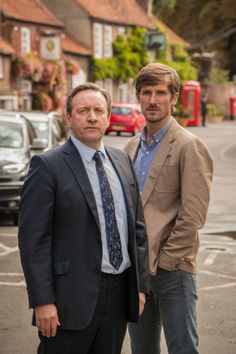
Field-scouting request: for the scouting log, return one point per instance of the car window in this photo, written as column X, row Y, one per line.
column 11, row 135
column 41, row 129
column 121, row 110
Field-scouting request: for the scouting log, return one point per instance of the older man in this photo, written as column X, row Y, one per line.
column 82, row 236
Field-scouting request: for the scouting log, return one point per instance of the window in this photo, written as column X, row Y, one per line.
column 121, row 30
column 97, row 40
column 25, row 40
column 26, row 87
column 107, row 41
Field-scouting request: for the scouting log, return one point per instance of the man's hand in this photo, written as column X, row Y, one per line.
column 47, row 319
column 142, row 300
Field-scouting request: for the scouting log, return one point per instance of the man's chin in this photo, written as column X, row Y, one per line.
column 154, row 119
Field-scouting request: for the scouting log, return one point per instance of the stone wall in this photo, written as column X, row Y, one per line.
column 220, row 94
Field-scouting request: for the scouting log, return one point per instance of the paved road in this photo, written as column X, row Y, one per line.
column 217, row 262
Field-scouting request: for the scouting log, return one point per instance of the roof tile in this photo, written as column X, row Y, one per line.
column 126, row 12
column 29, row 10
column 70, row 45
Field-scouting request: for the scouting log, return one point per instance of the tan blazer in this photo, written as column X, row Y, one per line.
column 175, row 198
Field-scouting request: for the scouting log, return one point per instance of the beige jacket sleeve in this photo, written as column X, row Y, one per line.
column 196, row 171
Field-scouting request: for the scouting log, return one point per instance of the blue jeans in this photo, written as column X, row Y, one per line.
column 171, row 303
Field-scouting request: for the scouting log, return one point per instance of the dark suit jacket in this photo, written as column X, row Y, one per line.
column 60, row 240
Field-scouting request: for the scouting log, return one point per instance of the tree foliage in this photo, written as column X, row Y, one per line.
column 198, row 20
column 129, row 56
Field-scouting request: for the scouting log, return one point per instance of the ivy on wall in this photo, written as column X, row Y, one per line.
column 130, row 55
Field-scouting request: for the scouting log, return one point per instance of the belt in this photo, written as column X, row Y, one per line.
column 113, row 276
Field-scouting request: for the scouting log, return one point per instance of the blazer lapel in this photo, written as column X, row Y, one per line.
column 134, row 147
column 121, row 171
column 158, row 162
column 75, row 163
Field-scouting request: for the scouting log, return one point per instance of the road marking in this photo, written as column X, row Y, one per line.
column 11, row 274
column 20, row 283
column 5, row 250
column 223, row 286
column 12, row 283
column 225, row 150
column 210, row 258
column 8, row 235
column 228, row 243
column 217, row 274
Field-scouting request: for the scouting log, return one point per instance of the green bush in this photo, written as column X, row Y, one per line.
column 213, row 110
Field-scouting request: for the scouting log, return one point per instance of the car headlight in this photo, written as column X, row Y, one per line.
column 14, row 168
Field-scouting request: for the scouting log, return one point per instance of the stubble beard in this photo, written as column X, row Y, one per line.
column 156, row 119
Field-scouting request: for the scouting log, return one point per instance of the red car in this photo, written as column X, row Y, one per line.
column 126, row 117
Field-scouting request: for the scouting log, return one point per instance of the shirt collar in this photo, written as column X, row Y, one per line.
column 87, row 152
column 158, row 135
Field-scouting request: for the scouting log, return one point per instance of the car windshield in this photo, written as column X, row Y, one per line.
column 41, row 129
column 11, row 135
column 121, row 110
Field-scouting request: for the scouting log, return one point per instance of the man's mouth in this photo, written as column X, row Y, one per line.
column 154, row 109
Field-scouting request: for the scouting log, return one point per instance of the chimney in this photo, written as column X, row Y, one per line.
column 146, row 5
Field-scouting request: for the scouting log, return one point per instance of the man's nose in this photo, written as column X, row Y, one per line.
column 92, row 116
column 153, row 98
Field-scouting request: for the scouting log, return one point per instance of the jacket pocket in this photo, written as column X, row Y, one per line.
column 168, row 181
column 60, row 268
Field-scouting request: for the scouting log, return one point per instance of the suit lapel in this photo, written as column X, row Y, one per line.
column 134, row 147
column 75, row 163
column 121, row 170
column 158, row 161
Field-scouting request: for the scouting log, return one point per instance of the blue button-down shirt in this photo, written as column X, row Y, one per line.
column 147, row 152
column 87, row 154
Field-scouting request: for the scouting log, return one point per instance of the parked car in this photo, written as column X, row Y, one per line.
column 50, row 128
column 126, row 117
column 17, row 141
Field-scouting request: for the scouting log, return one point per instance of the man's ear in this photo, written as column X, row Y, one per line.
column 175, row 97
column 68, row 119
column 137, row 96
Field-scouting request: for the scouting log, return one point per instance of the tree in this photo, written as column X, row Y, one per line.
column 202, row 19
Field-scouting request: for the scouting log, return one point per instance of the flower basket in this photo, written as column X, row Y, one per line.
column 71, row 65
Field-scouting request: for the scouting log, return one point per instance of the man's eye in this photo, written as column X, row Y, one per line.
column 99, row 110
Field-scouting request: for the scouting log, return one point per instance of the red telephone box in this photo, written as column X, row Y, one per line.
column 232, row 108
column 191, row 101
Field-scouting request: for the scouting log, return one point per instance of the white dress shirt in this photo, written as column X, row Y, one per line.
column 87, row 154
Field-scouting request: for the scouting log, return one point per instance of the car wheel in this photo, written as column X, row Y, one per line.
column 15, row 218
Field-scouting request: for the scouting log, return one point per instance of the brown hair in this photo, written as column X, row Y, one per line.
column 155, row 73
column 84, row 87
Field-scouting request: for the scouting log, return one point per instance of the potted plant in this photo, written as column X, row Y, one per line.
column 182, row 115
column 214, row 114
